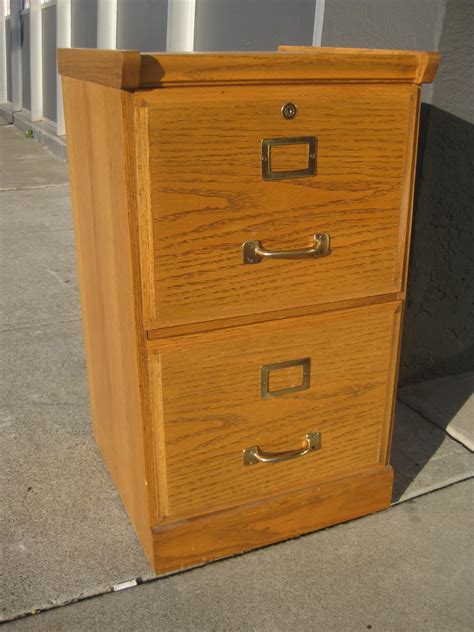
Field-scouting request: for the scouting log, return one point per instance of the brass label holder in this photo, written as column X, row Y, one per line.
column 268, row 143
column 266, row 369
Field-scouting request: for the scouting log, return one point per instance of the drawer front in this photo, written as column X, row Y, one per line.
column 210, row 192
column 218, row 393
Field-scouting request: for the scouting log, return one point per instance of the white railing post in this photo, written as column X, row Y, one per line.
column 15, row 22
column 180, row 27
column 318, row 22
column 3, row 56
column 63, row 40
column 36, row 61
column 107, row 24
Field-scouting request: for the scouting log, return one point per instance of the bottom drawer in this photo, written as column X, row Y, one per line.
column 217, row 394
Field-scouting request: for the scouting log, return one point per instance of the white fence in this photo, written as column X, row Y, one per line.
column 31, row 30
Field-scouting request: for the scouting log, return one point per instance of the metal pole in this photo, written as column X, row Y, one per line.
column 36, row 61
column 180, row 27
column 15, row 22
column 63, row 40
column 107, row 24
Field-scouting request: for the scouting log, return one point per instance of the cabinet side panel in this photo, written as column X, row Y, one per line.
column 406, row 215
column 99, row 123
column 406, row 219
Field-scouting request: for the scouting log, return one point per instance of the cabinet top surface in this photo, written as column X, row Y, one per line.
column 131, row 70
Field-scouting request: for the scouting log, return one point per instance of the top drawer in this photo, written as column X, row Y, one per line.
column 201, row 155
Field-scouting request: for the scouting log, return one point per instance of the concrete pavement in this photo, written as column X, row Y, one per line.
column 446, row 401
column 408, row 569
column 65, row 534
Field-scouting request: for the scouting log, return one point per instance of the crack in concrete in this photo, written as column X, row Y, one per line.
column 35, row 186
column 139, row 580
column 30, row 325
column 62, row 281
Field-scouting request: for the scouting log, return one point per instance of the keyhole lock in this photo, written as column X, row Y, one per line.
column 289, row 110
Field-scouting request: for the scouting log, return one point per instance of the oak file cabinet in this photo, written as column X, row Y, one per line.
column 242, row 224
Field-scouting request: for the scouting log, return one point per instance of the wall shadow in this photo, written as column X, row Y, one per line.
column 439, row 333
column 438, row 337
column 417, row 439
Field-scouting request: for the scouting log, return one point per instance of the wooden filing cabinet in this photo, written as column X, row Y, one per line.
column 242, row 225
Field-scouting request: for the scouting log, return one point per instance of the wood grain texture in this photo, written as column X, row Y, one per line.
column 198, row 540
column 103, row 190
column 113, row 68
column 290, row 65
column 212, row 408
column 131, row 70
column 144, row 212
column 289, row 157
column 410, row 173
column 288, row 377
column 154, row 335
column 425, row 62
column 208, row 197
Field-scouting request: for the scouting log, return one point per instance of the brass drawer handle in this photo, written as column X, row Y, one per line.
column 254, row 252
column 254, row 455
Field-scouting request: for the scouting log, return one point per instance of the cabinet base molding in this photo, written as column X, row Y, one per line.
column 194, row 541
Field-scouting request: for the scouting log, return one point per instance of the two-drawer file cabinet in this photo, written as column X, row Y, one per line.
column 242, row 226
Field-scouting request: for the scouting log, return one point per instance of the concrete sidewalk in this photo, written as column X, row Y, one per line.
column 66, row 536
column 407, row 570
